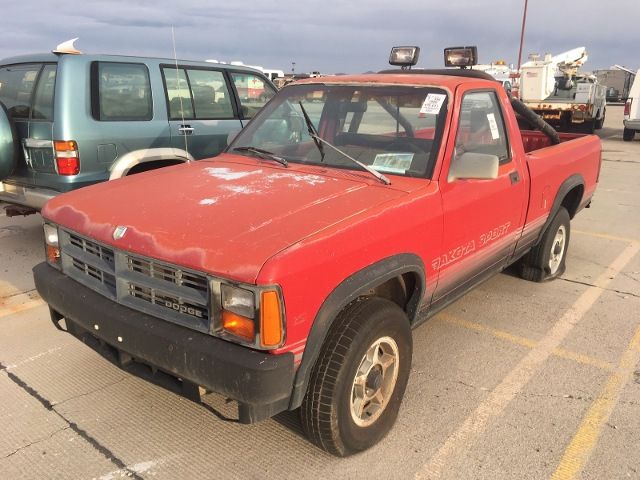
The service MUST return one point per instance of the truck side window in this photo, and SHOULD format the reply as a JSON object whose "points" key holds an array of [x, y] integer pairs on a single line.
{"points": [[16, 86], [43, 101], [120, 91], [253, 92], [210, 94], [481, 128]]}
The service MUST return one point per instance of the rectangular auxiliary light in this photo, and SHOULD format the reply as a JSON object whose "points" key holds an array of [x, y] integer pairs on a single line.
{"points": [[404, 56], [460, 56]]}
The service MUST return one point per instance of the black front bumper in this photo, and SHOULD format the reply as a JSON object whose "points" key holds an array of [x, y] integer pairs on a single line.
{"points": [[260, 382]]}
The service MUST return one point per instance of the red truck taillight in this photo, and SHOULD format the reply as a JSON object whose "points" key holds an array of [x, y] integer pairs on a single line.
{"points": [[627, 107], [67, 157]]}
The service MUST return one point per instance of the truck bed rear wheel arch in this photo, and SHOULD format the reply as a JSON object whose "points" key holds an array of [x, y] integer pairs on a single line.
{"points": [[569, 196], [402, 272]]}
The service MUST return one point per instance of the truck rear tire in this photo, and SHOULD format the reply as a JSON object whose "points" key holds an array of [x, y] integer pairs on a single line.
{"points": [[357, 384], [628, 134], [546, 260]]}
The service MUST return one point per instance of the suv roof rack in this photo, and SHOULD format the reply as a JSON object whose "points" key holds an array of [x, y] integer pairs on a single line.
{"points": [[452, 72]]}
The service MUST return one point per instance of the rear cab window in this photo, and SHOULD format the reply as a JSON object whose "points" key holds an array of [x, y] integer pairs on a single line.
{"points": [[120, 92]]}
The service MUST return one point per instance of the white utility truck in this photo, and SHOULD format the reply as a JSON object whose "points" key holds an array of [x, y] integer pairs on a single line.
{"points": [[554, 89]]}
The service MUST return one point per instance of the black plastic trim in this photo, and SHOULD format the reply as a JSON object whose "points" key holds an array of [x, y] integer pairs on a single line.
{"points": [[569, 184], [358, 284]]}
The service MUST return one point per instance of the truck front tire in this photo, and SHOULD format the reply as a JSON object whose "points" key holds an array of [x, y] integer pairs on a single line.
{"points": [[546, 260], [358, 382]]}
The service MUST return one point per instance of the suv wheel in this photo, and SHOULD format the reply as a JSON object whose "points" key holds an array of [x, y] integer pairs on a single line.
{"points": [[358, 382], [546, 260]]}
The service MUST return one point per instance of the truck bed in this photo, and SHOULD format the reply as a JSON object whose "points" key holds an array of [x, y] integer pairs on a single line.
{"points": [[535, 140]]}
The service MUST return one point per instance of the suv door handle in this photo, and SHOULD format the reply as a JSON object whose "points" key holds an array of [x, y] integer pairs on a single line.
{"points": [[185, 129], [515, 177]]}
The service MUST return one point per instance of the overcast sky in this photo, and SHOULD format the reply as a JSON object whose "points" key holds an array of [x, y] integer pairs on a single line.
{"points": [[329, 35]]}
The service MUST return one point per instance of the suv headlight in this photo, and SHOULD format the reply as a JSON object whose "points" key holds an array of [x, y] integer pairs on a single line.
{"points": [[253, 315], [52, 248]]}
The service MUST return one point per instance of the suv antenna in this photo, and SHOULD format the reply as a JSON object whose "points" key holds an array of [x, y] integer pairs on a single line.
{"points": [[175, 59]]}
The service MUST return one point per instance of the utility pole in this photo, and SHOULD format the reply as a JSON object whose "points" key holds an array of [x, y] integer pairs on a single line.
{"points": [[293, 67], [524, 23]]}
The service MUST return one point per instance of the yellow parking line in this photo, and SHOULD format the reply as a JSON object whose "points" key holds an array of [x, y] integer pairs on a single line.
{"points": [[584, 441], [494, 404], [525, 342], [6, 311], [606, 236]]}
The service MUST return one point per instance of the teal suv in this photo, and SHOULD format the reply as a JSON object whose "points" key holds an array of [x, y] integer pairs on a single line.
{"points": [[67, 121]]}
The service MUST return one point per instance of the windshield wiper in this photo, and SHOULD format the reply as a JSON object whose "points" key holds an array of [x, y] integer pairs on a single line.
{"points": [[319, 141], [262, 154], [313, 133]]}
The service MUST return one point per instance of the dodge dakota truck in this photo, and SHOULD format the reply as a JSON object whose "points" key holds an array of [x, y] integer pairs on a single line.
{"points": [[288, 272]]}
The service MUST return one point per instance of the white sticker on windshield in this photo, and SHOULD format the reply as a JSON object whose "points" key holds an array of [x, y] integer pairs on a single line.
{"points": [[393, 162], [495, 133], [432, 104]]}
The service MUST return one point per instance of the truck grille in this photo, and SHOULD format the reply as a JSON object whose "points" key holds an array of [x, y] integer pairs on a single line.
{"points": [[157, 288]]}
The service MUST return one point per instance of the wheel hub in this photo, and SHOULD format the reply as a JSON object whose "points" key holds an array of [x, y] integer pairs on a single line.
{"points": [[374, 381]]}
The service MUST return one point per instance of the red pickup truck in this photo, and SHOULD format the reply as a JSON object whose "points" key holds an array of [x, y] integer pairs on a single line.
{"points": [[289, 271]]}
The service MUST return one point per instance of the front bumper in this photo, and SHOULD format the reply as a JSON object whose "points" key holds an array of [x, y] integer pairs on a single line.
{"points": [[33, 197], [260, 382]]}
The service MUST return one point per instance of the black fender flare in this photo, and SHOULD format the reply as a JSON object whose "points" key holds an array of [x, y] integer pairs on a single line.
{"points": [[348, 290], [569, 184]]}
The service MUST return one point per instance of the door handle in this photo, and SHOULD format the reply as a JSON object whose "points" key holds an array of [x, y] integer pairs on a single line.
{"points": [[185, 129], [515, 177]]}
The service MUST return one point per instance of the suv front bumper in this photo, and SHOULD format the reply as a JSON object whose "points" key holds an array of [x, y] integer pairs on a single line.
{"points": [[260, 382], [32, 197]]}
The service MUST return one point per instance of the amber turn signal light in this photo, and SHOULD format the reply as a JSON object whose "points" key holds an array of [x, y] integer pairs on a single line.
{"points": [[53, 254], [238, 325], [270, 320]]}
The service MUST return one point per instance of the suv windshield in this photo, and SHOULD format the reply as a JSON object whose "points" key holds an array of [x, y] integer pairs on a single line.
{"points": [[393, 129]]}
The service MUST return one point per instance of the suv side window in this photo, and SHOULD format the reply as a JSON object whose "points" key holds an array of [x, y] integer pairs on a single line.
{"points": [[120, 91], [43, 100], [253, 92], [16, 87], [179, 98], [210, 94], [481, 128]]}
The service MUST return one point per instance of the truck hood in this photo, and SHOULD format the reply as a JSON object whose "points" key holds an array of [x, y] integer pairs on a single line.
{"points": [[226, 216]]}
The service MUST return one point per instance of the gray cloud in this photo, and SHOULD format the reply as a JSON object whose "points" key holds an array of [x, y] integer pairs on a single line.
{"points": [[329, 35]]}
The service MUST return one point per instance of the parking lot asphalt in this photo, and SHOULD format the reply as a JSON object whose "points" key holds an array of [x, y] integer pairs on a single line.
{"points": [[515, 380]]}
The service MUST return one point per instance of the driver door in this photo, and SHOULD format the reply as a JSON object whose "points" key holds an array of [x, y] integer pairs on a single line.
{"points": [[482, 218]]}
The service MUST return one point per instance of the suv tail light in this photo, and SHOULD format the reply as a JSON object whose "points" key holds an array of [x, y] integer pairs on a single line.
{"points": [[627, 108], [67, 157]]}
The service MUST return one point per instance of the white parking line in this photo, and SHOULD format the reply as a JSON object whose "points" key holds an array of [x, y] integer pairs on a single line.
{"points": [[512, 384]]}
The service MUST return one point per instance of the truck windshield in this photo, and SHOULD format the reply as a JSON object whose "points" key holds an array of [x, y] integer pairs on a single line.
{"points": [[393, 129]]}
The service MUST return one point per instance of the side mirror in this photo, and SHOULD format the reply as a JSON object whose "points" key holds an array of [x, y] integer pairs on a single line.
{"points": [[471, 165]]}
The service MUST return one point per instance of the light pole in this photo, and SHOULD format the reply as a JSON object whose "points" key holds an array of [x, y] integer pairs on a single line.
{"points": [[293, 67]]}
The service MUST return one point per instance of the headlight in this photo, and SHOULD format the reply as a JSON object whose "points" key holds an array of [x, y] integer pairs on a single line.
{"points": [[52, 248], [254, 315]]}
